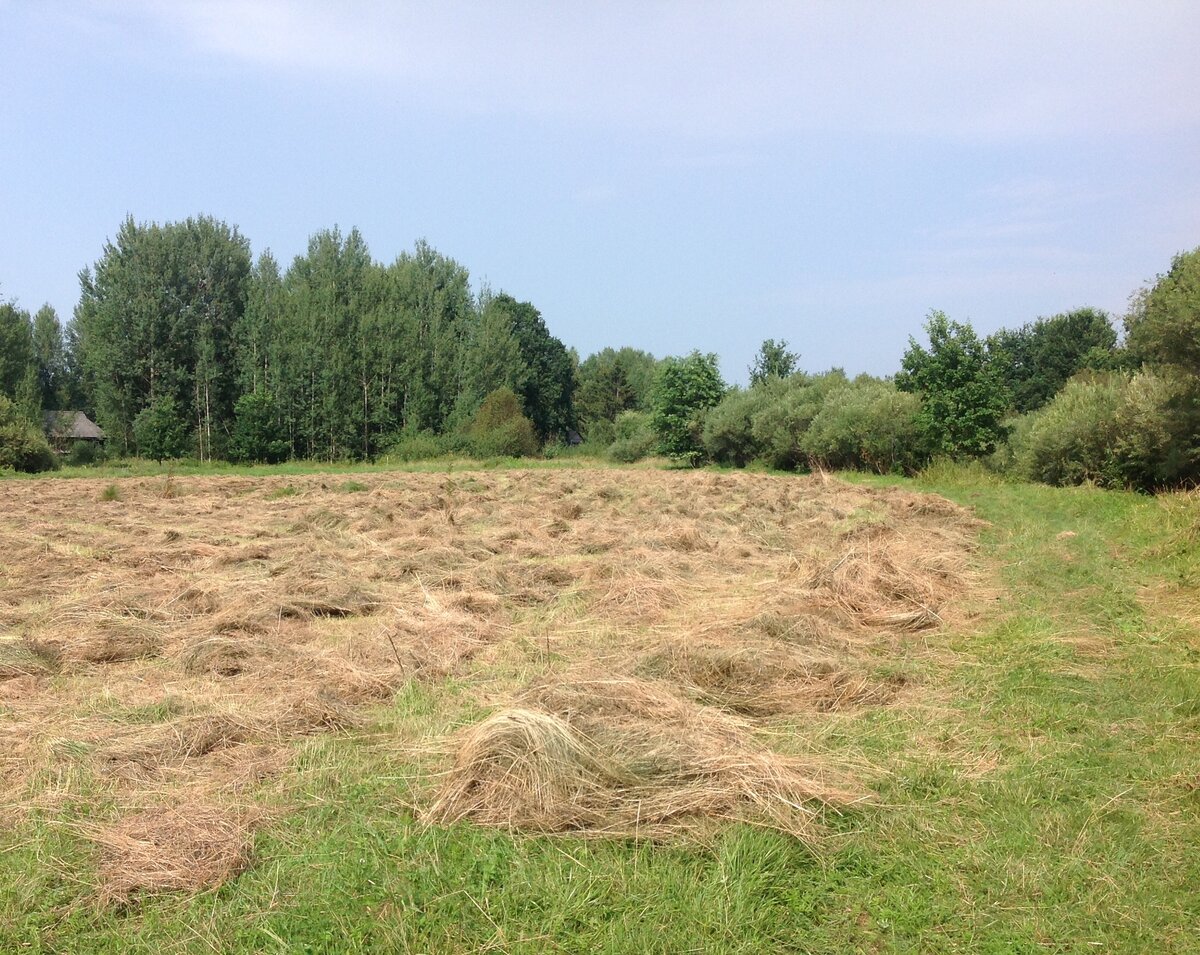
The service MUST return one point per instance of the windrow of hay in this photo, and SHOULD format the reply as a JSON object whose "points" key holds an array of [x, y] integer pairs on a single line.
{"points": [[653, 645], [764, 678], [622, 756]]}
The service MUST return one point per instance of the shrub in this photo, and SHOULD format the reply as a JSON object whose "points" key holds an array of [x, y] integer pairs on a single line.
{"points": [[257, 434], [867, 425], [634, 437], [160, 430], [1071, 439], [419, 446], [85, 453], [500, 428], [788, 409], [728, 428], [23, 447], [1115, 431], [1156, 444], [600, 433]]}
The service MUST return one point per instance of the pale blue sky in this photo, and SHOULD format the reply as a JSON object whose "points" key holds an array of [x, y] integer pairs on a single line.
{"points": [[664, 175]]}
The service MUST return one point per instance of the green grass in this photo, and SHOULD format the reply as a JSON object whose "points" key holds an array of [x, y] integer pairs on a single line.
{"points": [[1049, 800]]}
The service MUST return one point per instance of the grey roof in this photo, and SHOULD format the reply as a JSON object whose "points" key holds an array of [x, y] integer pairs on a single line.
{"points": [[72, 425]]}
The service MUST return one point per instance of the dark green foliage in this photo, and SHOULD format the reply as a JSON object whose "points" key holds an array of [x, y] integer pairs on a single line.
{"points": [[353, 352], [867, 425], [1158, 424], [1163, 325], [773, 361], [633, 437], [18, 364], [686, 388], [1036, 360], [85, 453], [609, 382], [416, 337], [156, 320], [500, 428], [324, 376], [257, 434], [260, 328], [23, 447], [50, 359], [965, 398], [160, 431], [538, 367]]}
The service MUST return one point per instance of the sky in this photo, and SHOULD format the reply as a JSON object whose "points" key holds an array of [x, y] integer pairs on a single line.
{"points": [[671, 176]]}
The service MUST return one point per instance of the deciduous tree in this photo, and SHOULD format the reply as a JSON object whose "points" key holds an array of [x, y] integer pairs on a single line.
{"points": [[773, 361], [686, 388], [965, 399]]}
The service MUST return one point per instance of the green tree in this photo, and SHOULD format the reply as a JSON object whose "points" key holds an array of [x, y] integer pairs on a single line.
{"points": [[773, 361], [161, 430], [257, 434], [1036, 360], [326, 375], [156, 318], [686, 388], [1163, 324], [500, 427], [965, 398], [423, 320], [50, 358], [611, 381], [23, 446], [258, 329], [544, 379], [492, 356], [18, 364]]}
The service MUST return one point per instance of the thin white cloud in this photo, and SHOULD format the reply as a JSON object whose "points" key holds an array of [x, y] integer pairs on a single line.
{"points": [[982, 70]]}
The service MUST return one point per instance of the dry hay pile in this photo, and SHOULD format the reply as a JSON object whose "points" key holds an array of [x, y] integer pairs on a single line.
{"points": [[647, 641]]}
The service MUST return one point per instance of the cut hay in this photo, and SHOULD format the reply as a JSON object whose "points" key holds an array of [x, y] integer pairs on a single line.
{"points": [[147, 748], [183, 849], [222, 656], [763, 679], [119, 644], [626, 757], [656, 646], [19, 657]]}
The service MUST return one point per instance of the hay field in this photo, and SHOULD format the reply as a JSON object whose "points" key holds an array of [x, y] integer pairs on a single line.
{"points": [[647, 653]]}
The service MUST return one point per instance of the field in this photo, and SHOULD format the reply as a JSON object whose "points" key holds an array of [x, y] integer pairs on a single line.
{"points": [[596, 709]]}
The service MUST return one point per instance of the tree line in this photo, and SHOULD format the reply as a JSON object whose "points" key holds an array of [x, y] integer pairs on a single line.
{"points": [[182, 344], [1059, 400]]}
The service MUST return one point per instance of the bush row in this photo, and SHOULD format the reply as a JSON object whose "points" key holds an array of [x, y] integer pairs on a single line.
{"points": [[1140, 430]]}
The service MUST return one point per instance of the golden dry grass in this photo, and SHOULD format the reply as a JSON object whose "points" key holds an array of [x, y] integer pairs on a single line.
{"points": [[636, 634]]}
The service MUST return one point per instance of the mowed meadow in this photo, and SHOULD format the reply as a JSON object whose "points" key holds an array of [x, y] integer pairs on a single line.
{"points": [[596, 709]]}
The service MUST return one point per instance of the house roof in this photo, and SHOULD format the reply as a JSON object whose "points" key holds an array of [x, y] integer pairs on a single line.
{"points": [[73, 425]]}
